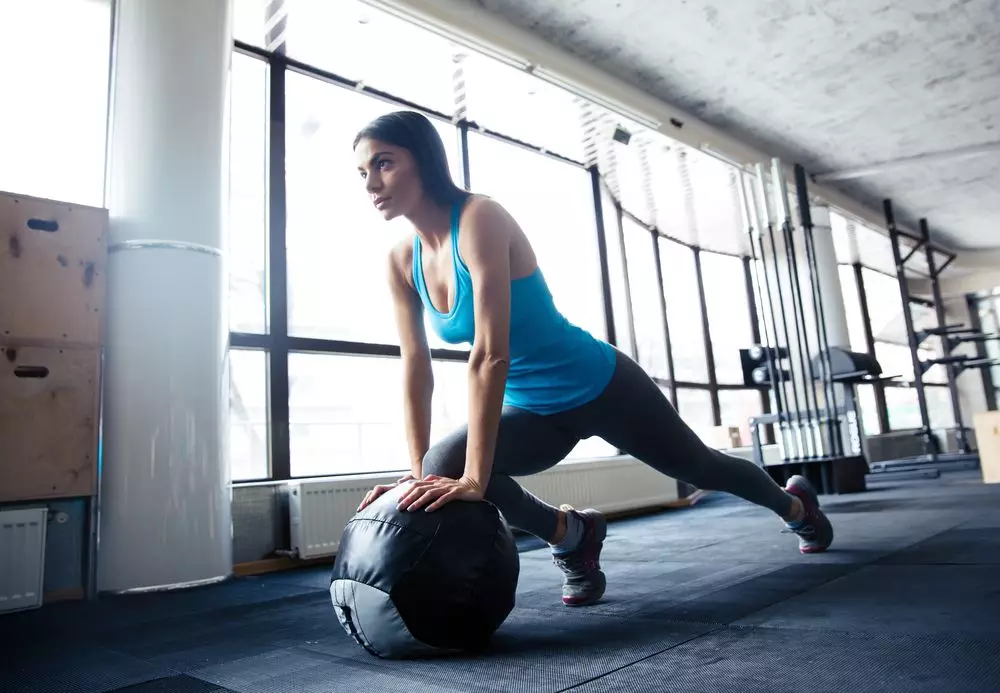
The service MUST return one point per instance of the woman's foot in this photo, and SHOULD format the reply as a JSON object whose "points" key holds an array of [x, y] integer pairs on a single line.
{"points": [[814, 529], [584, 581]]}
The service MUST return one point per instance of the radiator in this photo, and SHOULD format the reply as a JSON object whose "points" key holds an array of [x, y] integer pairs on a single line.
{"points": [[319, 510], [22, 558]]}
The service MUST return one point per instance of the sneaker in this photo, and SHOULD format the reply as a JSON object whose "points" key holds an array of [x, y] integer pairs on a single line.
{"points": [[814, 529], [584, 582]]}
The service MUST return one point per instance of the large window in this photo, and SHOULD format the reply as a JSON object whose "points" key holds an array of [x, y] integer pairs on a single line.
{"points": [[651, 343], [737, 407], [346, 412], [728, 313], [903, 408], [885, 306], [337, 242], [554, 203], [248, 436], [53, 122], [248, 195], [852, 309], [358, 42], [621, 306], [508, 100], [713, 195], [680, 288], [870, 422], [695, 408]]}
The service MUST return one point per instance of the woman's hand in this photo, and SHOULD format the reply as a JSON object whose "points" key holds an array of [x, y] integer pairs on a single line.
{"points": [[437, 491], [380, 489]]}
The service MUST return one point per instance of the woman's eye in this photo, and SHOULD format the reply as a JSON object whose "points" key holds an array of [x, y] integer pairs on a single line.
{"points": [[383, 163]]}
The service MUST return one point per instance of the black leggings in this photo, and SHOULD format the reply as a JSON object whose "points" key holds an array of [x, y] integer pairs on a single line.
{"points": [[631, 414]]}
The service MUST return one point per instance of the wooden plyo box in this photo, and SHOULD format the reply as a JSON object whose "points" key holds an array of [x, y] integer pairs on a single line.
{"points": [[987, 425], [49, 406], [52, 271]]}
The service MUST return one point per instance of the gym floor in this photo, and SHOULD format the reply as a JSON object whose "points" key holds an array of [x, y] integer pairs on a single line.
{"points": [[710, 598]]}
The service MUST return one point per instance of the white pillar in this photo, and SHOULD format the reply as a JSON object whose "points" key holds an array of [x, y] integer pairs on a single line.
{"points": [[831, 293], [165, 506]]}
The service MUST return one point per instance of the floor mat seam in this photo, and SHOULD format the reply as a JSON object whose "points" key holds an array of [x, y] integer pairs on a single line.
{"points": [[642, 659]]}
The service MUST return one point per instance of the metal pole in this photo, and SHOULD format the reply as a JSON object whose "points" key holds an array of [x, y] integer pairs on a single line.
{"points": [[778, 385], [781, 398], [956, 405], [822, 336], [765, 207], [879, 387], [802, 338], [602, 253], [904, 293]]}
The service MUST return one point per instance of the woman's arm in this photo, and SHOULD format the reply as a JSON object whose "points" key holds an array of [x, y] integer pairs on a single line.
{"points": [[418, 376], [487, 234]]}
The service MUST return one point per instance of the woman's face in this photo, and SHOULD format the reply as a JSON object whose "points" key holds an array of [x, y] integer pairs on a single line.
{"points": [[391, 177]]}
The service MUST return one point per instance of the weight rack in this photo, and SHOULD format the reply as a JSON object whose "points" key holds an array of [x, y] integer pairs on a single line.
{"points": [[794, 361]]}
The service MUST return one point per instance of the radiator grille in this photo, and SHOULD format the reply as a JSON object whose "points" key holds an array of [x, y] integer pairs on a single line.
{"points": [[22, 558], [319, 510]]}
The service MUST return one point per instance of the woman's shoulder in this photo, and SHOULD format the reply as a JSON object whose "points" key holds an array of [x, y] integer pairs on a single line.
{"points": [[400, 259], [481, 211]]}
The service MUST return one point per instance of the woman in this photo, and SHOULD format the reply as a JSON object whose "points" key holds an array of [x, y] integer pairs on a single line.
{"points": [[537, 383]]}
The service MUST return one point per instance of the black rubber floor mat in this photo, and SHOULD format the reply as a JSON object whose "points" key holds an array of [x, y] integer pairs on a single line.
{"points": [[109, 613], [714, 593], [73, 667], [738, 660], [534, 651], [975, 546], [192, 642], [337, 676], [174, 684], [237, 674], [912, 599]]}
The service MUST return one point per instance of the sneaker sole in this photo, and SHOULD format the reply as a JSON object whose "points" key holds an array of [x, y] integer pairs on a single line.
{"points": [[591, 598]]}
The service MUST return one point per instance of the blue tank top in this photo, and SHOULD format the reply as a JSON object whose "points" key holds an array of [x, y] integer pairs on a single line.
{"points": [[554, 365]]}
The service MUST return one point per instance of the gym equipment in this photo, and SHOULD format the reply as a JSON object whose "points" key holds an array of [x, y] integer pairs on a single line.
{"points": [[422, 584], [817, 427], [951, 336]]}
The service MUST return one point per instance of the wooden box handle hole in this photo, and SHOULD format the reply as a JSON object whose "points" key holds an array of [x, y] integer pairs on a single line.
{"points": [[31, 372], [43, 225]]}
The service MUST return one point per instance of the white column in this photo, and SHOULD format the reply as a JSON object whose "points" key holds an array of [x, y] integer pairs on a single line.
{"points": [[831, 293], [165, 506]]}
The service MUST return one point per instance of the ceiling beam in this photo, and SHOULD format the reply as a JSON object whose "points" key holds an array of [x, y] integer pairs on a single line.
{"points": [[920, 159]]}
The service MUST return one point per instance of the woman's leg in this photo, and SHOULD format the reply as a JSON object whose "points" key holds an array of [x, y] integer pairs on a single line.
{"points": [[633, 414], [527, 443]]}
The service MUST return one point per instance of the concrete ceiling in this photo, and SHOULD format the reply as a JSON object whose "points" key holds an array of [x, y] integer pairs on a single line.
{"points": [[833, 85]]}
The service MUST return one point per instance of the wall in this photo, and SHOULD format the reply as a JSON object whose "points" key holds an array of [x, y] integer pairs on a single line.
{"points": [[970, 383], [260, 522]]}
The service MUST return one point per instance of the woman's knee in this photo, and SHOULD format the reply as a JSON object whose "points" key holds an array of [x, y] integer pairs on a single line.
{"points": [[446, 458]]}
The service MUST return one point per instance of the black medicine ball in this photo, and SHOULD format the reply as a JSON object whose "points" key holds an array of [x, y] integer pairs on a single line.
{"points": [[416, 584]]}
